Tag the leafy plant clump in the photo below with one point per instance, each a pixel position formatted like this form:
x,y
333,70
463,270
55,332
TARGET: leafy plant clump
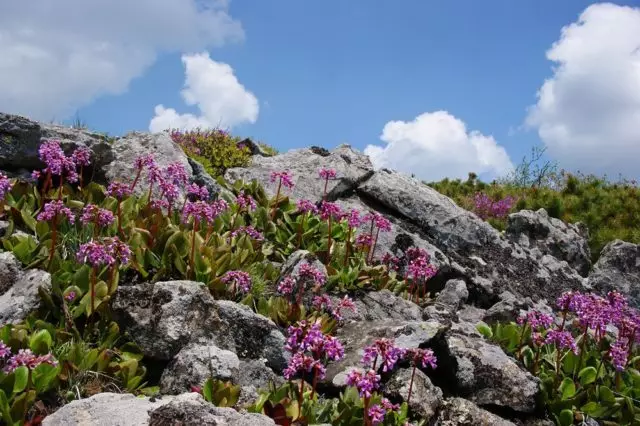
x,y
611,210
585,354
90,237
217,150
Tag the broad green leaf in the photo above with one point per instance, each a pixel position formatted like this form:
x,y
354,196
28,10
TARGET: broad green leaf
x,y
587,375
567,388
40,342
22,378
566,418
484,329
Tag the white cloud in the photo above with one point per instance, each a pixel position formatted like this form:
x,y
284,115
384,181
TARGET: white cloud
x,y
436,145
215,90
588,112
56,56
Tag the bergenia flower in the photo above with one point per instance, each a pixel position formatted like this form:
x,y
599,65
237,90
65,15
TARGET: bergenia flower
x,y
245,201
618,354
287,285
145,161
284,178
198,192
353,218
535,320
54,209
327,173
305,206
26,358
119,190
376,414
366,383
238,279
176,174
364,241
562,340
5,351
330,210
197,210
309,272
118,249
95,254
384,350
5,185
92,214
344,303
250,231
81,156
422,357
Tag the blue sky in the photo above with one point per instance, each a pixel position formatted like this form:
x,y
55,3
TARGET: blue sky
x,y
338,71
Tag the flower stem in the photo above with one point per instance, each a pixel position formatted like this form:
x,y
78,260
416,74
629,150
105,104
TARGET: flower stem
x,y
348,246
54,237
324,193
93,290
521,342
413,373
120,231
193,248
315,382
300,229
275,201
328,243
135,181
373,246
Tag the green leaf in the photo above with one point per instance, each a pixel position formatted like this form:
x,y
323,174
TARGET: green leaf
x,y
593,409
484,329
567,388
22,378
605,394
566,418
40,342
5,409
587,375
44,377
207,390
28,220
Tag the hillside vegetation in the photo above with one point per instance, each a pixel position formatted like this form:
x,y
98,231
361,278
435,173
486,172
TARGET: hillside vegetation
x,y
610,209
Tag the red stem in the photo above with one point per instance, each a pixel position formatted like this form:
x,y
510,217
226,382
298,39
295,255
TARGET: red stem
x,y
373,245
120,220
93,290
135,181
193,247
348,246
413,373
329,243
54,236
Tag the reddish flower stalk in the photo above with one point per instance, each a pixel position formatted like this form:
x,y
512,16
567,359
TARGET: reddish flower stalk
x,y
193,248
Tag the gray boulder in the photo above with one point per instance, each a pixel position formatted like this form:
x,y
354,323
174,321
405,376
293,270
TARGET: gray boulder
x,y
19,289
194,364
351,166
490,263
425,397
165,317
106,409
618,268
537,230
485,375
383,305
190,409
460,412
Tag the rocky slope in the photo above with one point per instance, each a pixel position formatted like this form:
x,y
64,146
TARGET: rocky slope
x,y
482,275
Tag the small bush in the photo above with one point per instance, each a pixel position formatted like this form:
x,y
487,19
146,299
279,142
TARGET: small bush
x,y
215,149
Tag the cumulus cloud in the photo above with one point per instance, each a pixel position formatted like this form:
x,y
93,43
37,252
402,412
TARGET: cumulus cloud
x,y
217,93
56,56
588,112
436,145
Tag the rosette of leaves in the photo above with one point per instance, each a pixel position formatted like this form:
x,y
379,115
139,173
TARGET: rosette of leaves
x,y
220,393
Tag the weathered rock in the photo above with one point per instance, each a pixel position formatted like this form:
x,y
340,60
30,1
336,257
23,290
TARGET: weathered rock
x,y
254,376
618,268
569,242
351,166
194,364
356,336
106,409
490,263
202,178
383,305
253,147
485,375
166,316
460,412
19,289
471,314
425,397
454,294
190,409
298,258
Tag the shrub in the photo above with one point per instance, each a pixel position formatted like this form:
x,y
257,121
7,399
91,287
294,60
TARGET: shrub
x,y
215,149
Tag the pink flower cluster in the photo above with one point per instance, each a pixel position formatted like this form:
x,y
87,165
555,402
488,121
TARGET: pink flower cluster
x,y
106,252
327,173
307,275
58,164
377,221
310,349
245,201
54,209
378,412
283,178
5,185
419,269
198,192
324,303
306,206
384,350
250,231
24,357
237,279
92,214
119,190
329,210
485,207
